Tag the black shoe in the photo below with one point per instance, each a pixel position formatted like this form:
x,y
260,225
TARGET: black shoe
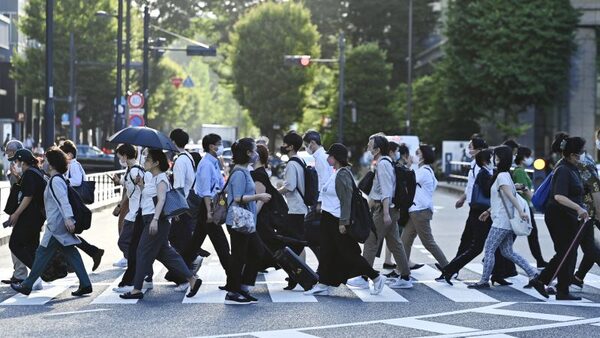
x,y
445,277
223,288
12,280
539,287
291,285
542,264
500,281
551,290
234,298
194,289
249,297
577,282
129,295
82,291
389,266
566,296
417,266
203,253
21,289
392,274
479,286
97,259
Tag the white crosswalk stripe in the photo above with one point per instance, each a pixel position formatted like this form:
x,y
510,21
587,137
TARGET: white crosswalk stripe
x,y
458,293
41,297
428,326
108,296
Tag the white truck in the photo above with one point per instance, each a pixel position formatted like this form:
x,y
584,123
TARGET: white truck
x,y
228,133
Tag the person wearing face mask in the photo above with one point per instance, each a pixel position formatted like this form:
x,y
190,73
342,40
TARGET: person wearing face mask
x,y
524,186
312,143
28,219
210,181
10,148
76,175
385,217
394,154
245,248
514,147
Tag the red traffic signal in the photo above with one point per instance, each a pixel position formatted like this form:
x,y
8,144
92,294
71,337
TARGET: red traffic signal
x,y
297,60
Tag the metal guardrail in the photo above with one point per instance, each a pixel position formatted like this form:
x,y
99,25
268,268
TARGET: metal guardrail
x,y
106,192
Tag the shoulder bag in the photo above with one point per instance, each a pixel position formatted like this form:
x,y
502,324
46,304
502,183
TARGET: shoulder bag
x,y
519,226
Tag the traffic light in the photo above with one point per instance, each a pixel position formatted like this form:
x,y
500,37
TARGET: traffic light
x,y
193,50
297,60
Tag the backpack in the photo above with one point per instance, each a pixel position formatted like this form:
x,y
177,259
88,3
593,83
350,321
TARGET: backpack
x,y
81,213
542,194
406,187
311,183
361,220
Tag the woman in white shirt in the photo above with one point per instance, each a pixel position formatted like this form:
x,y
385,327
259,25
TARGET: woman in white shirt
x,y
154,242
501,234
421,213
341,257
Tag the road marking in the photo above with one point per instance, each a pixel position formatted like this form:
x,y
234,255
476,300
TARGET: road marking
x,y
388,295
501,335
74,312
208,294
41,297
428,326
419,246
519,283
108,296
457,293
212,273
283,333
531,315
592,280
279,295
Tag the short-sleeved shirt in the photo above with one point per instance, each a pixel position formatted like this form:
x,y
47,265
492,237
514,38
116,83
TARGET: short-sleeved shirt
x,y
520,176
426,185
567,182
500,217
294,183
133,191
591,183
240,184
150,191
32,185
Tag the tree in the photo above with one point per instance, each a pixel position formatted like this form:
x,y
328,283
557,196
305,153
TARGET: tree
x,y
94,41
367,85
274,94
386,22
503,57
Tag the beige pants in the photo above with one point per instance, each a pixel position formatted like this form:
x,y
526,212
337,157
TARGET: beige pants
x,y
391,234
419,224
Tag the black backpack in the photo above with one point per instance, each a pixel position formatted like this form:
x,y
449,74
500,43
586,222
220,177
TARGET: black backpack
x,y
406,186
361,219
311,183
81,213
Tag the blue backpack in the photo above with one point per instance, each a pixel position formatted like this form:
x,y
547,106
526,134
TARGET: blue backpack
x,y
542,194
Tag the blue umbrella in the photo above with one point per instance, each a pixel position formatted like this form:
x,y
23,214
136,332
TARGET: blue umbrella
x,y
143,137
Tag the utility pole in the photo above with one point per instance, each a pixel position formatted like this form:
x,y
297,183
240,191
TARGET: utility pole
x,y
49,114
72,104
127,46
342,64
409,103
118,108
146,67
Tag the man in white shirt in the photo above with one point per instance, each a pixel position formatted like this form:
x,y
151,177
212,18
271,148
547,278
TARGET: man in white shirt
x,y
312,143
184,173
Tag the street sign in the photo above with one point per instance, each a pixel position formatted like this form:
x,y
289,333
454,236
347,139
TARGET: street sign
x,y
188,83
136,120
77,121
136,111
176,81
65,119
136,100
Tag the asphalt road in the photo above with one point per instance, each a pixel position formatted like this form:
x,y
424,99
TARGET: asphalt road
x,y
429,309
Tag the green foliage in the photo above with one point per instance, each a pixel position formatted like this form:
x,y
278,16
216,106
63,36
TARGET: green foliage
x,y
367,84
504,56
94,41
273,93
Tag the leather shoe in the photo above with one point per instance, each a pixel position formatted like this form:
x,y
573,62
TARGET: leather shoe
x,y
194,289
97,259
539,286
129,295
566,296
11,281
20,288
82,291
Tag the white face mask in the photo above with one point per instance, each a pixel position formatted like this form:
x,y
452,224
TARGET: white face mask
x,y
308,149
598,144
220,150
123,163
528,161
582,157
489,167
19,169
397,156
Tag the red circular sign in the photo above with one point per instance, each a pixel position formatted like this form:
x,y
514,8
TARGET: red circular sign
x,y
136,100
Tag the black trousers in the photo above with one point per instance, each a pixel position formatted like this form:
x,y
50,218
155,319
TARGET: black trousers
x,y
138,228
563,228
591,252
472,243
89,249
246,251
534,243
24,241
181,232
341,257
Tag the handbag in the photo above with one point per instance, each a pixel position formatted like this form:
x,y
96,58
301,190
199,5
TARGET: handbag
x,y
194,201
243,220
12,204
519,226
175,203
478,198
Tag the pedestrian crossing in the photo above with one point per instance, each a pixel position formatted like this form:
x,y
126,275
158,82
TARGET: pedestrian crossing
x,y
272,284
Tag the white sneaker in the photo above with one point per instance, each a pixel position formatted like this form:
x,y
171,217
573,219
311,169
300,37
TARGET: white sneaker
x,y
400,283
148,285
123,289
121,263
37,285
197,264
378,285
358,282
318,290
183,287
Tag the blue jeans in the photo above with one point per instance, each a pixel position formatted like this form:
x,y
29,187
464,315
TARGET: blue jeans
x,y
44,255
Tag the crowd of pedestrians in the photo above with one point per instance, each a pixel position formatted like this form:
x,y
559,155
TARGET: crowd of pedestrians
x,y
316,208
